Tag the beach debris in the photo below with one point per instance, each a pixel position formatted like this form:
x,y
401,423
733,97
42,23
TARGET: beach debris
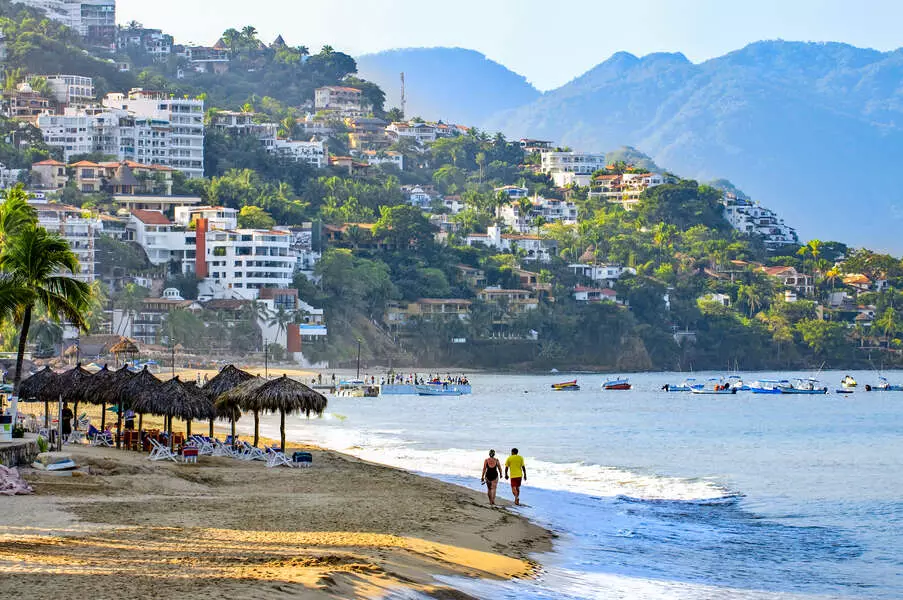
x,y
54,461
11,483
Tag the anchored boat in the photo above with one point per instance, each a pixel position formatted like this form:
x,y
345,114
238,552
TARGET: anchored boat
x,y
804,386
621,383
567,386
884,386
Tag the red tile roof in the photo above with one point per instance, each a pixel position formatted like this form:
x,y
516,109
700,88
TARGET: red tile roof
x,y
151,217
84,163
49,162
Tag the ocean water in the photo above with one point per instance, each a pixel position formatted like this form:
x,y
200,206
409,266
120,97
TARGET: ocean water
x,y
664,495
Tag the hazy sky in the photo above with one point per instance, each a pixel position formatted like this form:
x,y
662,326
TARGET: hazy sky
x,y
548,42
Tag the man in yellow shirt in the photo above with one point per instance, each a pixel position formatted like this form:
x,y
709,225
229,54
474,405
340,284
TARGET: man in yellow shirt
x,y
518,470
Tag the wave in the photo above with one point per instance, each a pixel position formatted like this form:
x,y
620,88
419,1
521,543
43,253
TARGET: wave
x,y
386,447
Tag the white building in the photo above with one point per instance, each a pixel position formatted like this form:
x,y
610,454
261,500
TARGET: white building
x,y
79,231
514,192
218,217
94,20
186,120
389,157
752,219
71,90
422,133
347,100
625,189
603,273
313,152
241,262
586,294
533,247
546,210
245,123
419,198
567,168
162,240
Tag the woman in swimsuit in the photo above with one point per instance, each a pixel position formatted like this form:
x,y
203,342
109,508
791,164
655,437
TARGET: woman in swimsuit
x,y
491,472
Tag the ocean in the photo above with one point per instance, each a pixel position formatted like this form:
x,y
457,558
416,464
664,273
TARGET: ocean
x,y
663,495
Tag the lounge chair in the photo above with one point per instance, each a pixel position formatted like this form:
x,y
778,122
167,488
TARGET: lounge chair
x,y
275,458
249,452
161,452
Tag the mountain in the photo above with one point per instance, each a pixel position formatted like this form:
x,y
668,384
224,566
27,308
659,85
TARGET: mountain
x,y
813,130
452,84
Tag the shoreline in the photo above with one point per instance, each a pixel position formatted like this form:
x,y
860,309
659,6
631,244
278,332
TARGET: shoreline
x,y
344,528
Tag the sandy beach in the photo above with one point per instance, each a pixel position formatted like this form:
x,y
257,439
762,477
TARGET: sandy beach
x,y
344,528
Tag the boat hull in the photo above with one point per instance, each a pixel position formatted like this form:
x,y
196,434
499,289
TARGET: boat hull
x,y
412,390
715,393
765,390
428,391
804,392
617,386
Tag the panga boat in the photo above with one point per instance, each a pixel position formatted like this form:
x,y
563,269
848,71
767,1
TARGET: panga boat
x,y
804,386
884,386
621,383
688,385
432,390
768,386
567,386
848,382
715,387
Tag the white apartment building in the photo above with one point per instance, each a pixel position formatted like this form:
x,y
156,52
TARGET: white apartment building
x,y
545,210
533,247
752,219
162,240
389,157
422,133
244,123
346,100
94,20
567,168
218,217
602,273
241,262
625,189
313,152
186,121
514,192
79,231
71,90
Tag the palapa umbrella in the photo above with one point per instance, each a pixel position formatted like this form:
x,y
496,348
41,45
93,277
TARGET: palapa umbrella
x,y
172,399
41,387
94,392
124,346
74,386
201,404
239,397
227,379
285,396
132,390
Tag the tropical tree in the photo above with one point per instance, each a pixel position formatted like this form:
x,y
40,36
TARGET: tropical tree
x,y
15,213
888,322
32,275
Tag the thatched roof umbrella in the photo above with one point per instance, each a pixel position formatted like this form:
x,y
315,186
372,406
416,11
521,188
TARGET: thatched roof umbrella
x,y
125,346
74,385
239,397
132,389
173,399
41,387
228,378
93,392
202,404
286,396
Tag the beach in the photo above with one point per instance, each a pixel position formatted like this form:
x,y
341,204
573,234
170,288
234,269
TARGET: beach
x,y
345,528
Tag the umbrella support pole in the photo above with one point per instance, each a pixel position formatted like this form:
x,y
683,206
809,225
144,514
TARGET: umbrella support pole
x,y
282,430
140,421
119,426
75,414
103,416
187,429
256,428
211,428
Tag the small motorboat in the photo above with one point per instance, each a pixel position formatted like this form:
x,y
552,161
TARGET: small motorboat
x,y
843,391
848,382
688,385
620,383
715,387
567,386
804,386
431,390
767,386
884,386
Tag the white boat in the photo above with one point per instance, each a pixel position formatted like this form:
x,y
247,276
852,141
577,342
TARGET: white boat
x,y
688,385
768,386
715,387
804,386
884,386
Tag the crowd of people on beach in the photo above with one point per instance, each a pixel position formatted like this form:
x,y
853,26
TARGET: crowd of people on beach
x,y
417,379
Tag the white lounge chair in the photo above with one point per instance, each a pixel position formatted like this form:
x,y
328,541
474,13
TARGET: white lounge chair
x,y
275,458
161,452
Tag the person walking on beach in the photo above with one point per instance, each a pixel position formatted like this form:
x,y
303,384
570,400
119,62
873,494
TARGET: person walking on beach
x,y
67,420
492,472
515,464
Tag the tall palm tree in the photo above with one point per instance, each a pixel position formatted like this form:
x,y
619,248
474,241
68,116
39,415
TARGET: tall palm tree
x,y
280,319
15,213
31,267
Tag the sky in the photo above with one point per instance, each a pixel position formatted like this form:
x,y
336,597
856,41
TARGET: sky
x,y
549,43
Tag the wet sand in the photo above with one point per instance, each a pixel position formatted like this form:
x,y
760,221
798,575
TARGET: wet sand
x,y
344,528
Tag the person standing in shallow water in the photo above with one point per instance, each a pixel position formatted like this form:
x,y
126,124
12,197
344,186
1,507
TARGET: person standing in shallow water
x,y
518,470
492,471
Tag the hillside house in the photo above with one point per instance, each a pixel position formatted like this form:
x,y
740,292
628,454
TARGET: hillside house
x,y
791,278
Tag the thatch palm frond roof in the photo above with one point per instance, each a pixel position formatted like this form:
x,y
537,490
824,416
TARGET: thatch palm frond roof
x,y
40,387
173,399
229,378
137,390
93,389
287,395
73,384
126,346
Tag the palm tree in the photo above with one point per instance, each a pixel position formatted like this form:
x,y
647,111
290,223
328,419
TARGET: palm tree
x,y
249,33
327,50
280,319
15,213
30,267
888,323
303,50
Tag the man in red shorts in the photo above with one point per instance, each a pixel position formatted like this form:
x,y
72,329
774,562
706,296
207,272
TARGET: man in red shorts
x,y
518,470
